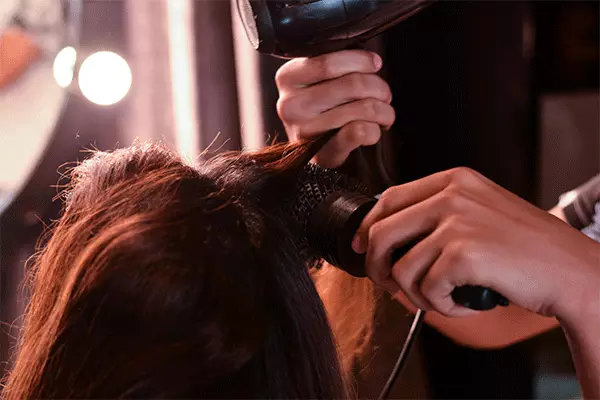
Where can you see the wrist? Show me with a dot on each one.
(582, 337)
(579, 302)
(582, 302)
(582, 319)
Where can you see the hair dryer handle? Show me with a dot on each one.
(474, 297)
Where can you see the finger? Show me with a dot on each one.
(396, 199)
(409, 271)
(445, 275)
(369, 110)
(400, 197)
(396, 231)
(440, 217)
(307, 104)
(308, 71)
(327, 95)
(350, 137)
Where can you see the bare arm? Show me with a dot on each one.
(585, 350)
(17, 53)
(580, 321)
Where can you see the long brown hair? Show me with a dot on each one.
(164, 280)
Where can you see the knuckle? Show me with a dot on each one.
(457, 223)
(281, 75)
(459, 251)
(429, 286)
(449, 227)
(356, 83)
(451, 199)
(387, 92)
(382, 88)
(405, 281)
(371, 134)
(287, 109)
(370, 109)
(463, 172)
(324, 65)
(464, 176)
(390, 116)
(282, 107)
(374, 232)
(353, 135)
(362, 134)
(432, 289)
(386, 199)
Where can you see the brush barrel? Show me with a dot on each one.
(332, 226)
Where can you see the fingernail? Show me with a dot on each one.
(357, 245)
(377, 61)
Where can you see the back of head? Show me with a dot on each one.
(163, 281)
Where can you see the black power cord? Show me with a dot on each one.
(408, 344)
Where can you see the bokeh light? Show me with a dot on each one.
(64, 66)
(105, 78)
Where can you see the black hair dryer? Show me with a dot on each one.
(307, 28)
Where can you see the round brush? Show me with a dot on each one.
(330, 207)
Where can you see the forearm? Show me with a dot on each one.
(497, 328)
(584, 343)
(578, 310)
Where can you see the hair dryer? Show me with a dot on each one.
(307, 28)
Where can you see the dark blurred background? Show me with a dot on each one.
(510, 89)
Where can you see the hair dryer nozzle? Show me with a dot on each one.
(306, 28)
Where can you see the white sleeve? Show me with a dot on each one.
(44, 21)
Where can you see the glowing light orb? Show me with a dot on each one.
(64, 66)
(105, 78)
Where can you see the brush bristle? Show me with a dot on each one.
(313, 186)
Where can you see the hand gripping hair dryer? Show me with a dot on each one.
(307, 28)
